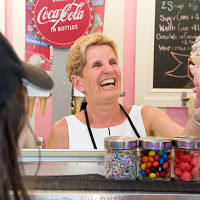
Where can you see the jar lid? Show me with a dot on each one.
(151, 142)
(186, 142)
(120, 142)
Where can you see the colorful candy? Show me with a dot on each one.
(161, 162)
(120, 157)
(121, 164)
(187, 165)
(158, 165)
(155, 158)
(160, 152)
(145, 159)
(151, 153)
(186, 176)
(186, 158)
(152, 175)
(165, 156)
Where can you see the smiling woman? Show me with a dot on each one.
(92, 66)
(101, 76)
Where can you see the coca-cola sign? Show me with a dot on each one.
(60, 22)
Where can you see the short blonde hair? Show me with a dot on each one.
(76, 57)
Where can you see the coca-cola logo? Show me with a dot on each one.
(61, 22)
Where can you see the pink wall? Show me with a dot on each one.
(129, 51)
(8, 20)
(43, 123)
(179, 115)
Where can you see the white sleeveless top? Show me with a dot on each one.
(79, 137)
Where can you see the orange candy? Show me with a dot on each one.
(165, 165)
(145, 159)
(156, 164)
(148, 164)
(157, 174)
(151, 159)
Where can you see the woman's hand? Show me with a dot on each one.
(196, 73)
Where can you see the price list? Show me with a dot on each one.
(177, 24)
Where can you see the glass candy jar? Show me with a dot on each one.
(154, 162)
(120, 157)
(186, 158)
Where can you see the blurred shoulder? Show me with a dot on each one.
(150, 110)
(59, 136)
(59, 125)
(144, 109)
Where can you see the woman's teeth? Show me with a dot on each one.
(107, 82)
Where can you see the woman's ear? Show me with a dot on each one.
(77, 83)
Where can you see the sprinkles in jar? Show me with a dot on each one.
(154, 161)
(120, 157)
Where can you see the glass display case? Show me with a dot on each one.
(66, 174)
(60, 162)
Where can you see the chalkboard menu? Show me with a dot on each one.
(177, 24)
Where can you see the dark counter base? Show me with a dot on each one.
(95, 182)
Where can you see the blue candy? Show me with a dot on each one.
(165, 156)
(161, 162)
(142, 172)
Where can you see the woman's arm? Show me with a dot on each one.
(158, 123)
(59, 136)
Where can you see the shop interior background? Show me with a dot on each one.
(128, 23)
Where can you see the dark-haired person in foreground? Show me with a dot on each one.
(14, 76)
(92, 66)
